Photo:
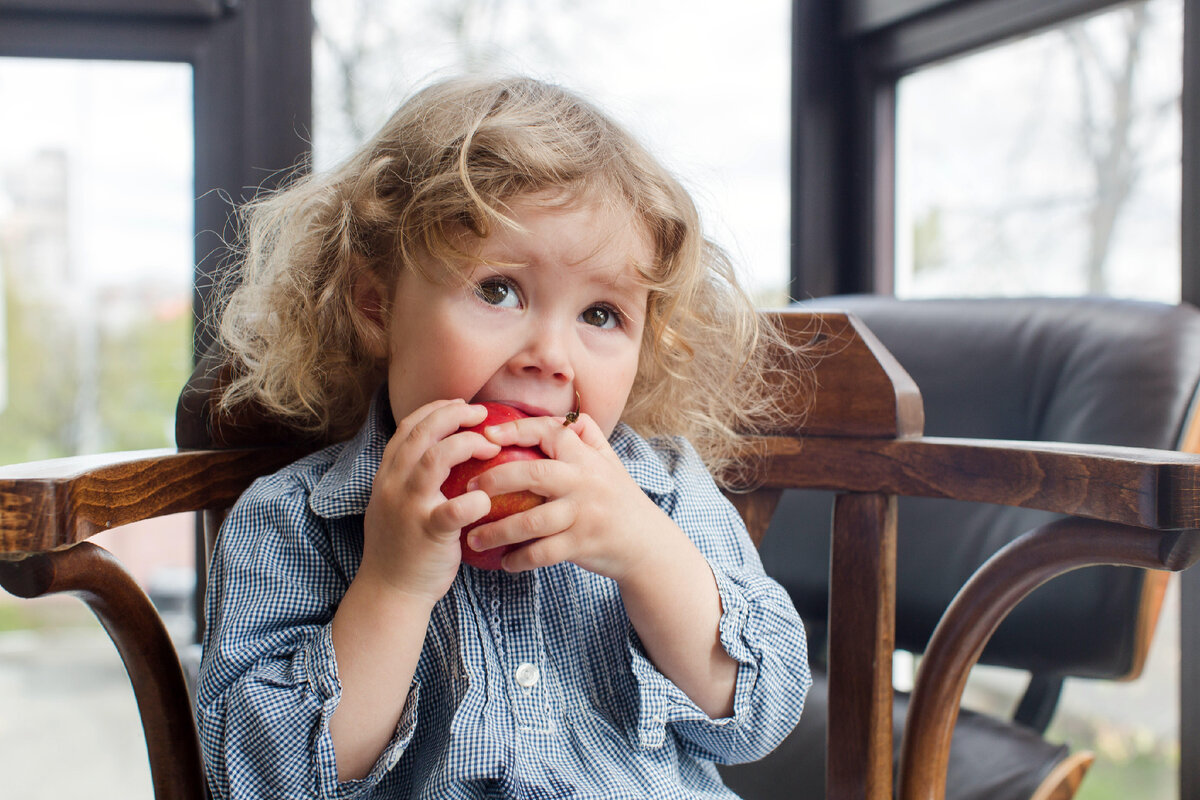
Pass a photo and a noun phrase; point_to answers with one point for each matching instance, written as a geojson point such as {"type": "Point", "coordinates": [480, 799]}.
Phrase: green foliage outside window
{"type": "Point", "coordinates": [55, 407]}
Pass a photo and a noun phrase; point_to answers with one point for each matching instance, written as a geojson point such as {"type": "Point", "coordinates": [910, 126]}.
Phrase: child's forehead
{"type": "Point", "coordinates": [579, 227]}
{"type": "Point", "coordinates": [605, 205]}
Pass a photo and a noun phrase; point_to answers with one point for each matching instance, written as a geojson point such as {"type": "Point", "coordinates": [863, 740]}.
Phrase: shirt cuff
{"type": "Point", "coordinates": [324, 681]}
{"type": "Point", "coordinates": [661, 701]}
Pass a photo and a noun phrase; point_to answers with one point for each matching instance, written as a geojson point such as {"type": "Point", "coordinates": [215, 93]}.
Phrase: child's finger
{"type": "Point", "coordinates": [544, 476]}
{"type": "Point", "coordinates": [548, 433]}
{"type": "Point", "coordinates": [538, 522]}
{"type": "Point", "coordinates": [544, 552]}
{"type": "Point", "coordinates": [444, 420]}
{"type": "Point", "coordinates": [434, 465]}
{"type": "Point", "coordinates": [431, 423]}
{"type": "Point", "coordinates": [405, 426]}
{"type": "Point", "coordinates": [589, 432]}
{"type": "Point", "coordinates": [457, 513]}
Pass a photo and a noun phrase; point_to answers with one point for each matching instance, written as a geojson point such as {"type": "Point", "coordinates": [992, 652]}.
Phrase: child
{"type": "Point", "coordinates": [496, 241]}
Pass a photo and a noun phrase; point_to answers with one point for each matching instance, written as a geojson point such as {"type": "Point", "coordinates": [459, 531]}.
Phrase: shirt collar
{"type": "Point", "coordinates": [650, 466]}
{"type": "Point", "coordinates": [345, 488]}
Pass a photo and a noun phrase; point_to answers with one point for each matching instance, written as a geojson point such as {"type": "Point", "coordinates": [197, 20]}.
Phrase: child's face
{"type": "Point", "coordinates": [561, 313]}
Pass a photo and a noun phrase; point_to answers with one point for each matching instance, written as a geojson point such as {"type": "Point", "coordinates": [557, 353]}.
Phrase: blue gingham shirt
{"type": "Point", "coordinates": [529, 685]}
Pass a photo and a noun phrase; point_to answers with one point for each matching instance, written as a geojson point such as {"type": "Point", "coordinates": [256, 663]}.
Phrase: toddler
{"type": "Point", "coordinates": [497, 240]}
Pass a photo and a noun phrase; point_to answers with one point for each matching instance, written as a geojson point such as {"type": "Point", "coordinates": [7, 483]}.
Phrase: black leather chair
{"type": "Point", "coordinates": [1073, 370]}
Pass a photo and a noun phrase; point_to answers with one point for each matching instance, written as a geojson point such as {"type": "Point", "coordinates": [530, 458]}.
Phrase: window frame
{"type": "Point", "coordinates": [252, 89]}
{"type": "Point", "coordinates": [252, 106]}
{"type": "Point", "coordinates": [846, 64]}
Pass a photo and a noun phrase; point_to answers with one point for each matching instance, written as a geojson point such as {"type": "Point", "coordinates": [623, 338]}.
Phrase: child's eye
{"type": "Point", "coordinates": [498, 292]}
{"type": "Point", "coordinates": [602, 317]}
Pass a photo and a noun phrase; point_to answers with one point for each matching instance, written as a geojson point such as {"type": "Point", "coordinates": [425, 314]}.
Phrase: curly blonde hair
{"type": "Point", "coordinates": [453, 158]}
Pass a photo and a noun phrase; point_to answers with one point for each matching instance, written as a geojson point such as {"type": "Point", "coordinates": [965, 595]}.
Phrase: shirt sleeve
{"type": "Point", "coordinates": [268, 680]}
{"type": "Point", "coordinates": [759, 628]}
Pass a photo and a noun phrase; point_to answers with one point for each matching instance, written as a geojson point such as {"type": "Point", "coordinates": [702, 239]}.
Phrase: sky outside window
{"type": "Point", "coordinates": [96, 253]}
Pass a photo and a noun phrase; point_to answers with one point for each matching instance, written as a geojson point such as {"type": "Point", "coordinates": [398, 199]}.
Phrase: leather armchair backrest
{"type": "Point", "coordinates": [1075, 370]}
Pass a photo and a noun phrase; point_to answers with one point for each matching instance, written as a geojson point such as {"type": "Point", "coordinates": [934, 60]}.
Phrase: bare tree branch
{"type": "Point", "coordinates": [1108, 143]}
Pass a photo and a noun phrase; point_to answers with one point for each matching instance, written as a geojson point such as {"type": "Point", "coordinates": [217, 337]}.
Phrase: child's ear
{"type": "Point", "coordinates": [371, 299]}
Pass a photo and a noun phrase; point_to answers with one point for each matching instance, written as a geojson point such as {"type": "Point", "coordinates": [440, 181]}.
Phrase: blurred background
{"type": "Point", "coordinates": [1048, 162]}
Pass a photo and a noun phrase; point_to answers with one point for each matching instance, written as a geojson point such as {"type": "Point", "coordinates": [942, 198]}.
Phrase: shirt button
{"type": "Point", "coordinates": [527, 675]}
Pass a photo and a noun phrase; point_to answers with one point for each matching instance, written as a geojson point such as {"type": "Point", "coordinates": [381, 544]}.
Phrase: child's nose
{"type": "Point", "coordinates": [546, 354]}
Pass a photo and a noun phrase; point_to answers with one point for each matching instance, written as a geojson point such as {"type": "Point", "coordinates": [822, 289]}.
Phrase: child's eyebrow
{"type": "Point", "coordinates": [629, 289]}
{"type": "Point", "coordinates": [624, 275]}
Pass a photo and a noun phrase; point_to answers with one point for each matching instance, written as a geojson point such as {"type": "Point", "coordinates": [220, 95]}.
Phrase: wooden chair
{"type": "Point", "coordinates": [862, 438]}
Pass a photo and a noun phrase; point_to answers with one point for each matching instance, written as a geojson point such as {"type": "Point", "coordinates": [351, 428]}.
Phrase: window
{"type": "Point", "coordinates": [170, 115]}
{"type": "Point", "coordinates": [96, 262]}
{"type": "Point", "coordinates": [96, 196]}
{"type": "Point", "coordinates": [1049, 165]}
{"type": "Point", "coordinates": [917, 170]}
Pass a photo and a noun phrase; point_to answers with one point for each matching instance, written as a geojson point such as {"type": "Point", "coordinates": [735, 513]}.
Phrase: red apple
{"type": "Point", "coordinates": [502, 505]}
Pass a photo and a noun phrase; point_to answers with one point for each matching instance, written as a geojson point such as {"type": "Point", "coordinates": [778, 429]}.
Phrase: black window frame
{"type": "Point", "coordinates": [252, 89]}
{"type": "Point", "coordinates": [847, 59]}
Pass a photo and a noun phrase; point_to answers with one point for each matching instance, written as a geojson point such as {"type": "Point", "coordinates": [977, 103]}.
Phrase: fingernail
{"type": "Point", "coordinates": [473, 541]}
{"type": "Point", "coordinates": [472, 484]}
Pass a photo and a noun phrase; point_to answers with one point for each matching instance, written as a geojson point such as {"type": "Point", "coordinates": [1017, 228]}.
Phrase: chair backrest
{"type": "Point", "coordinates": [1072, 370]}
{"type": "Point", "coordinates": [863, 393]}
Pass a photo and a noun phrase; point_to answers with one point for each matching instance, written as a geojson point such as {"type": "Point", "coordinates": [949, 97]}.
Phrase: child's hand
{"type": "Point", "coordinates": [411, 529]}
{"type": "Point", "coordinates": [595, 515]}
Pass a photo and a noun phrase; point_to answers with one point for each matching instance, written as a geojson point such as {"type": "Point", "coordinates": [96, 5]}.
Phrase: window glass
{"type": "Point", "coordinates": [1048, 165]}
{"type": "Point", "coordinates": [96, 252]}
{"type": "Point", "coordinates": [705, 88]}
{"type": "Point", "coordinates": [96, 261]}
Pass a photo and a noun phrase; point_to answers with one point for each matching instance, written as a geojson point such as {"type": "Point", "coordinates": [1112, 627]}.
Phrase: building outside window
{"type": "Point", "coordinates": [96, 261]}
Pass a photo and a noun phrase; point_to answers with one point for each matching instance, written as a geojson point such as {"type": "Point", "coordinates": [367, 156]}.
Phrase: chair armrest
{"type": "Point", "coordinates": [1157, 489]}
{"type": "Point", "coordinates": [987, 598]}
{"type": "Point", "coordinates": [48, 505]}
{"type": "Point", "coordinates": [1141, 491]}
{"type": "Point", "coordinates": [48, 509]}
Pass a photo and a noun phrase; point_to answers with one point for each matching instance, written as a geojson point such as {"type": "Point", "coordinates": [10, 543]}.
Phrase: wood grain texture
{"type": "Point", "coordinates": [1065, 779]}
{"type": "Point", "coordinates": [862, 616]}
{"type": "Point", "coordinates": [50, 505]}
{"type": "Point", "coordinates": [992, 592]}
{"type": "Point", "coordinates": [1149, 488]}
{"type": "Point", "coordinates": [132, 622]}
{"type": "Point", "coordinates": [859, 389]}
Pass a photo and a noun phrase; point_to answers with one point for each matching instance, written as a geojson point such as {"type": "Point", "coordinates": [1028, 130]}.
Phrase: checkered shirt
{"type": "Point", "coordinates": [529, 685]}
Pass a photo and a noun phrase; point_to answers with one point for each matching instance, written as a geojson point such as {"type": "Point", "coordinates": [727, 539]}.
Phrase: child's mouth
{"type": "Point", "coordinates": [531, 410]}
